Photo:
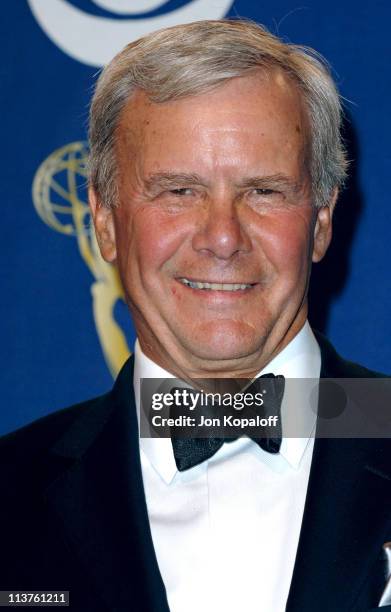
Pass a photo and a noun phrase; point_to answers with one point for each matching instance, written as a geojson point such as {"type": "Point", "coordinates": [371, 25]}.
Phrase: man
{"type": "Point", "coordinates": [216, 160]}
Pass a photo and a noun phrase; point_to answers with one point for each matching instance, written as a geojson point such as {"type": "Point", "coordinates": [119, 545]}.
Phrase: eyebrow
{"type": "Point", "coordinates": [274, 181]}
{"type": "Point", "coordinates": [168, 180]}
{"type": "Point", "coordinates": [171, 179]}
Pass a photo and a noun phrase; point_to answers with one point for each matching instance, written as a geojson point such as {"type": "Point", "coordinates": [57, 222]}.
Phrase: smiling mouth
{"type": "Point", "coordinates": [215, 286]}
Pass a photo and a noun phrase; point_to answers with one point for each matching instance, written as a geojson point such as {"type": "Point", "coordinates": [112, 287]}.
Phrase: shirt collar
{"type": "Point", "coordinates": [299, 359]}
{"type": "Point", "coordinates": [157, 450]}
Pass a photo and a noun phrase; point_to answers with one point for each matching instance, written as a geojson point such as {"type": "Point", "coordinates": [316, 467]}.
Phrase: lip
{"type": "Point", "coordinates": [216, 295]}
{"type": "Point", "coordinates": [218, 281]}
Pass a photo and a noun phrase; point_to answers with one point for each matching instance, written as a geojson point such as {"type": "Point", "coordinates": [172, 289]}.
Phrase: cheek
{"type": "Point", "coordinates": [287, 244]}
{"type": "Point", "coordinates": [157, 238]}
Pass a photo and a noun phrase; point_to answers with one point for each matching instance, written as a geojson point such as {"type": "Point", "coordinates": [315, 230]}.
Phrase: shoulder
{"type": "Point", "coordinates": [335, 366]}
{"type": "Point", "coordinates": [25, 453]}
{"type": "Point", "coordinates": [40, 449]}
{"type": "Point", "coordinates": [45, 430]}
{"type": "Point", "coordinates": [84, 420]}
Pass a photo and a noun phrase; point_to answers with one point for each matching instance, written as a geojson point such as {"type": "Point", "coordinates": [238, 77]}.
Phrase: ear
{"type": "Point", "coordinates": [104, 226]}
{"type": "Point", "coordinates": [323, 229]}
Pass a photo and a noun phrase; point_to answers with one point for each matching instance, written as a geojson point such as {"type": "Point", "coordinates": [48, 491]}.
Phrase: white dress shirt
{"type": "Point", "coordinates": [226, 532]}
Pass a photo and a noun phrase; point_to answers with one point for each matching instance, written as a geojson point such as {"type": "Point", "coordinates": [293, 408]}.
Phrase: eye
{"type": "Point", "coordinates": [264, 192]}
{"type": "Point", "coordinates": [265, 197]}
{"type": "Point", "coordinates": [182, 191]}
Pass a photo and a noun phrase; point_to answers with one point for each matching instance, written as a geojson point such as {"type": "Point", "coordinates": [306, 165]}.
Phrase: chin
{"type": "Point", "coordinates": [223, 340]}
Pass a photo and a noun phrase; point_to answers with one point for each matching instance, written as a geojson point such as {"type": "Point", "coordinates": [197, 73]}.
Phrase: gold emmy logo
{"type": "Point", "coordinates": [57, 187]}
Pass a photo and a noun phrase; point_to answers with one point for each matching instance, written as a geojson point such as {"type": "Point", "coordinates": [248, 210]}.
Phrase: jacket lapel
{"type": "Point", "coordinates": [100, 501]}
{"type": "Point", "coordinates": [346, 517]}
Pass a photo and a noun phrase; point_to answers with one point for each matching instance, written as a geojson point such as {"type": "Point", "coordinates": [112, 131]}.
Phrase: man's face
{"type": "Point", "coordinates": [215, 229]}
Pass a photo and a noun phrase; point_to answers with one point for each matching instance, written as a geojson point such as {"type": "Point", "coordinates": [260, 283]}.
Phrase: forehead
{"type": "Point", "coordinates": [251, 111]}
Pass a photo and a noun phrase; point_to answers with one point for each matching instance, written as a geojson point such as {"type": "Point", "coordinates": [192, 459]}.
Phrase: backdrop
{"type": "Point", "coordinates": [65, 330]}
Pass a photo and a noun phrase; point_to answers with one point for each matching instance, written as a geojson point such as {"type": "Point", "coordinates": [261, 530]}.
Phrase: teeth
{"type": "Point", "coordinates": [215, 286]}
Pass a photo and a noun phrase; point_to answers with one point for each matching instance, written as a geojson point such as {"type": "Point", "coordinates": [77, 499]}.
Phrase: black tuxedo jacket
{"type": "Point", "coordinates": [73, 514]}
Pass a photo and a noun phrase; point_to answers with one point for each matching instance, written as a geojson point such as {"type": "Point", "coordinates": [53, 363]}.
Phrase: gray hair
{"type": "Point", "coordinates": [191, 59]}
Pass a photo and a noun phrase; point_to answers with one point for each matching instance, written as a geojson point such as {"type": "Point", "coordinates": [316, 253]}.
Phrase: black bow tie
{"type": "Point", "coordinates": [189, 452]}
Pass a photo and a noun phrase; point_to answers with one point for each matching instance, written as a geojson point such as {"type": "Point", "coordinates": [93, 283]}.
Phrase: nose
{"type": "Point", "coordinates": [221, 232]}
